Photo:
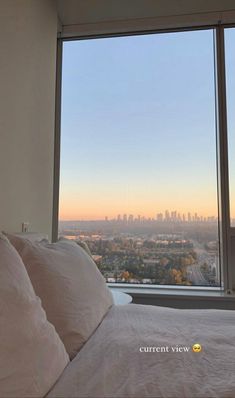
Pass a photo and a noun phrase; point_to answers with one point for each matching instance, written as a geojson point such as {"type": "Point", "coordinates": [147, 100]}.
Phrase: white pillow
{"type": "Point", "coordinates": [32, 356]}
{"type": "Point", "coordinates": [80, 243]}
{"type": "Point", "coordinates": [73, 291]}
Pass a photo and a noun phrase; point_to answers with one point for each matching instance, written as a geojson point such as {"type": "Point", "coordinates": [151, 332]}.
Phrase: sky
{"type": "Point", "coordinates": [138, 126]}
{"type": "Point", "coordinates": [230, 80]}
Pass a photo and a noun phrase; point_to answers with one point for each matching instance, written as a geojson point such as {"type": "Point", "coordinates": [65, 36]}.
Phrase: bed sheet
{"type": "Point", "coordinates": [146, 351]}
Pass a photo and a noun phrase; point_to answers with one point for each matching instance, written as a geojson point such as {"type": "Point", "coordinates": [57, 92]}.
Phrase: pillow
{"type": "Point", "coordinates": [32, 356]}
{"type": "Point", "coordinates": [73, 291]}
{"type": "Point", "coordinates": [80, 243]}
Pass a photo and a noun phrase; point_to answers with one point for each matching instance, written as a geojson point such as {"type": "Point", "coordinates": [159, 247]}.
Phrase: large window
{"type": "Point", "coordinates": [138, 178]}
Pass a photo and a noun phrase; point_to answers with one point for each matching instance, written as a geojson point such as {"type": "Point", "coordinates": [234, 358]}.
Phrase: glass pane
{"type": "Point", "coordinates": [138, 156]}
{"type": "Point", "coordinates": [230, 88]}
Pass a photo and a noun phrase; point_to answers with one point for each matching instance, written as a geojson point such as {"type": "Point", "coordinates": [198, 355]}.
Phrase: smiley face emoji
{"type": "Point", "coordinates": [197, 347]}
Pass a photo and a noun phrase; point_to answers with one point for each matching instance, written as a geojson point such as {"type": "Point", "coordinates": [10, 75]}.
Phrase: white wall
{"type": "Point", "coordinates": [28, 30]}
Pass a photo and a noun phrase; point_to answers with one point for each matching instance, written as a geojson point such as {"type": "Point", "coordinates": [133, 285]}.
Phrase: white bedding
{"type": "Point", "coordinates": [110, 365]}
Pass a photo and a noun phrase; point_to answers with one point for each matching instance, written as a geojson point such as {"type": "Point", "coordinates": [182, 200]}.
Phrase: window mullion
{"type": "Point", "coordinates": [222, 159]}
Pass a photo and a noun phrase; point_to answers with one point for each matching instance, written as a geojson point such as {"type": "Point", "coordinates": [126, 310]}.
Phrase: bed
{"type": "Point", "coordinates": [113, 363]}
{"type": "Point", "coordinates": [72, 341]}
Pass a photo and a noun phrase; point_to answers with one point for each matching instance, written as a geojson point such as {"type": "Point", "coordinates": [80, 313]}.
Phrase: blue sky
{"type": "Point", "coordinates": [138, 126]}
{"type": "Point", "coordinates": [230, 79]}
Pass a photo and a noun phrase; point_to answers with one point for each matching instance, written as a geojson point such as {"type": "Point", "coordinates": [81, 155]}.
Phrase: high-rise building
{"type": "Point", "coordinates": [159, 217]}
{"type": "Point", "coordinates": [167, 215]}
{"type": "Point", "coordinates": [130, 218]}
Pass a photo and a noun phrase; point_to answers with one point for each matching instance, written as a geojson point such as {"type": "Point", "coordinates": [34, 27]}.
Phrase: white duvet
{"type": "Point", "coordinates": [113, 363]}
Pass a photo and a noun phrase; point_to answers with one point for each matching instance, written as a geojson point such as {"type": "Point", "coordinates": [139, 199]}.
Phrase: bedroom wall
{"type": "Point", "coordinates": [28, 31]}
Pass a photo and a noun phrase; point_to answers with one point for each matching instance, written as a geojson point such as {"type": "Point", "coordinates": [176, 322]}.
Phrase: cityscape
{"type": "Point", "coordinates": [170, 249]}
{"type": "Point", "coordinates": [167, 216]}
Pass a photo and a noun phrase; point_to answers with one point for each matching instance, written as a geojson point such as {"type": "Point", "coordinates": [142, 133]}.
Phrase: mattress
{"type": "Point", "coordinates": [145, 351]}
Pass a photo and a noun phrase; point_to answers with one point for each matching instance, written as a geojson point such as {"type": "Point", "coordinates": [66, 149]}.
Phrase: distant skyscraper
{"type": "Point", "coordinates": [167, 215]}
{"type": "Point", "coordinates": [130, 218]}
{"type": "Point", "coordinates": [159, 217]}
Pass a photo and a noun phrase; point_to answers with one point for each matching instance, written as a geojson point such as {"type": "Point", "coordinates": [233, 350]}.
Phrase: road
{"type": "Point", "coordinates": [194, 273]}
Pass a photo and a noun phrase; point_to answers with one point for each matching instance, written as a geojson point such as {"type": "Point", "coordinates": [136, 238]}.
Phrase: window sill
{"type": "Point", "coordinates": [179, 297]}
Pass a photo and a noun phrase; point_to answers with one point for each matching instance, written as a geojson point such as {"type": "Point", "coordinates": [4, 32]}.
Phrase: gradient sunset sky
{"type": "Point", "coordinates": [138, 126]}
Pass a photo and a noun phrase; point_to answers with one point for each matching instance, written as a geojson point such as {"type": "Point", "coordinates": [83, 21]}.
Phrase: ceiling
{"type": "Point", "coordinates": [75, 12]}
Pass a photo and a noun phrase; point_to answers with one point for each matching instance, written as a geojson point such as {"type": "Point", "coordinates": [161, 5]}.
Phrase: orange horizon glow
{"type": "Point", "coordinates": [97, 208]}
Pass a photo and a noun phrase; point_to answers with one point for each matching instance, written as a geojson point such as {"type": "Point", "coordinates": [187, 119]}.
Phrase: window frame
{"type": "Point", "coordinates": [226, 232]}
